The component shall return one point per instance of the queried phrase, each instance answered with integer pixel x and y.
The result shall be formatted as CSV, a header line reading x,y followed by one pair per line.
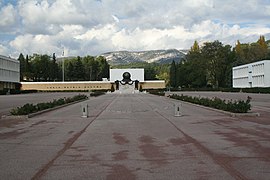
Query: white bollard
x,y
84,110
177,109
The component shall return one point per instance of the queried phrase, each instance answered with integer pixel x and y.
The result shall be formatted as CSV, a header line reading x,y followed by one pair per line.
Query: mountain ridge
x,y
157,56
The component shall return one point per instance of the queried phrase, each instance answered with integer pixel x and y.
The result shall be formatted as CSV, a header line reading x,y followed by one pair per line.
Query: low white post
x,y
177,109
84,110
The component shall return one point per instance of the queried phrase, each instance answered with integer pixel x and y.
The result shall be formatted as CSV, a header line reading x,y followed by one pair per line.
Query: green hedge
x,y
246,90
239,106
156,92
96,93
31,108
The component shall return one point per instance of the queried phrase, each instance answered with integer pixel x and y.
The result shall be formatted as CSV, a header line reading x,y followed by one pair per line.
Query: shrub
x,y
24,110
97,93
30,108
157,92
239,106
246,90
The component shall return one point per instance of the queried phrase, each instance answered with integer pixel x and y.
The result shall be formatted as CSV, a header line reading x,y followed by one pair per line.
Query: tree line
x,y
46,68
211,64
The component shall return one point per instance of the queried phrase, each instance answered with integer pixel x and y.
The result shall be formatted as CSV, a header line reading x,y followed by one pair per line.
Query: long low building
x,y
251,75
85,85
121,80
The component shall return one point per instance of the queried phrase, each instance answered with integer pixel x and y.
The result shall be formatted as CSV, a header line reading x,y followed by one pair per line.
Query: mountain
x,y
157,56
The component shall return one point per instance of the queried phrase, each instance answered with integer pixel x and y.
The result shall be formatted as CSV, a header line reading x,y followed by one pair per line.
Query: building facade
x,y
118,82
251,75
9,73
136,74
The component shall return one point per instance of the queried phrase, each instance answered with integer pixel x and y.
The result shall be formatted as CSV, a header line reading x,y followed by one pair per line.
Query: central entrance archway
x,y
126,84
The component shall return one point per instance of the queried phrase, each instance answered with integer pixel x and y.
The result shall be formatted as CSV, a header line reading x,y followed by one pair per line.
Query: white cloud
x,y
8,17
37,16
3,50
93,27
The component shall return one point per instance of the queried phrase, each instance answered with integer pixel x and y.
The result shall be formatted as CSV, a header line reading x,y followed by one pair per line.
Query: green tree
x,y
195,48
194,69
78,70
149,73
104,68
53,69
69,75
247,53
28,69
88,62
173,74
217,57
22,66
261,41
40,65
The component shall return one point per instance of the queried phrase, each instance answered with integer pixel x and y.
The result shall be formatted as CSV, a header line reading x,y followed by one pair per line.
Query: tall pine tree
x,y
173,74
22,66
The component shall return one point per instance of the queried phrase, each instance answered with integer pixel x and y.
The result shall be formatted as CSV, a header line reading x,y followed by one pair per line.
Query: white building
x,y
9,72
136,74
255,74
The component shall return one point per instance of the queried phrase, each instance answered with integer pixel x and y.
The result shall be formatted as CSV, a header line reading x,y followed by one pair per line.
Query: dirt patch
x,y
262,119
261,133
120,139
151,152
37,123
247,140
11,122
202,174
120,172
146,139
11,135
121,155
178,141
94,159
70,132
75,155
224,121
79,148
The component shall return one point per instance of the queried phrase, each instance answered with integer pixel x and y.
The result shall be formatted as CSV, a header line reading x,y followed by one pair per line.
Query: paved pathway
x,y
135,137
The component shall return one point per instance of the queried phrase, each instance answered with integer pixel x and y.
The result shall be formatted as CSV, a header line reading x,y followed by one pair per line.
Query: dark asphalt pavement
x,y
135,136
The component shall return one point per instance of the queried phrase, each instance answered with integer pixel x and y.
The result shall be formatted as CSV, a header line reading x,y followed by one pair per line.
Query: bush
x,y
30,108
246,90
156,92
97,93
24,110
239,106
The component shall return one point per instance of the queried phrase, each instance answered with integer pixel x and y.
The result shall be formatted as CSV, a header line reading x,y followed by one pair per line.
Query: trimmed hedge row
x,y
246,90
31,108
97,93
239,106
156,92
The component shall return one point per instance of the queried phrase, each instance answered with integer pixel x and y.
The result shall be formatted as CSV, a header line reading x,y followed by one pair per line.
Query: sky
x,y
93,27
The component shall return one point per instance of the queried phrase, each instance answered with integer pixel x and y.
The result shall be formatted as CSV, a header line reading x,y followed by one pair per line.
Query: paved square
x,y
135,136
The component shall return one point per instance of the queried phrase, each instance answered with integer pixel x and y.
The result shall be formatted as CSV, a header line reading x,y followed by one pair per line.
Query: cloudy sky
x,y
92,27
